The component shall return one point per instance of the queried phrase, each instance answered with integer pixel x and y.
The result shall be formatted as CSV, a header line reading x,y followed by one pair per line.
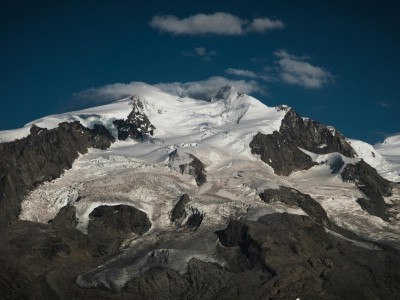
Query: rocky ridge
x,y
40,157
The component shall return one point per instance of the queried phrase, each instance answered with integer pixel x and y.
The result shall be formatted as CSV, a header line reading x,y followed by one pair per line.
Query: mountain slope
x,y
242,166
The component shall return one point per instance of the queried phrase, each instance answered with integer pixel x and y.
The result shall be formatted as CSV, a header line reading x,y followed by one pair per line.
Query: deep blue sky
x,y
50,50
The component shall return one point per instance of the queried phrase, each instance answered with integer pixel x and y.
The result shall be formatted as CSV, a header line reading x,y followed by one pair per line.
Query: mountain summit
x,y
157,196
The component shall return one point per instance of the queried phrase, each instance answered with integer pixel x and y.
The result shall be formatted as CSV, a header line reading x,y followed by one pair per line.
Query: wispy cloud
x,y
250,74
219,23
201,52
264,24
203,90
383,104
107,93
206,89
298,71
241,73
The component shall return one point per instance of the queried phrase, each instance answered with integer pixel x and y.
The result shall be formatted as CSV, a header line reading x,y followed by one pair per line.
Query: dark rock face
x,y
281,154
280,256
301,260
168,284
223,93
137,124
281,150
195,219
42,156
196,169
66,217
42,261
178,212
372,185
311,135
293,197
110,225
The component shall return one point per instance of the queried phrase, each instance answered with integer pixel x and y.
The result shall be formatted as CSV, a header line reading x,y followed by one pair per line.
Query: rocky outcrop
x,y
109,226
280,153
281,150
168,284
293,197
195,219
313,136
42,261
372,185
301,260
42,156
179,212
137,125
194,168
66,218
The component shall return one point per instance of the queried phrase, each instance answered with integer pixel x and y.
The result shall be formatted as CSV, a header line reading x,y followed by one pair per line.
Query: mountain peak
x,y
224,93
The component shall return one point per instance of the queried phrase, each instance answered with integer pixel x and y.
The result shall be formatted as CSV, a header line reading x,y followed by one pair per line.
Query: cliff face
x,y
313,136
136,125
42,156
294,197
281,150
280,153
373,186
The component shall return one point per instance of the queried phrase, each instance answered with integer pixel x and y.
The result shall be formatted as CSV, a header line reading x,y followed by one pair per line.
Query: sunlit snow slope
x,y
389,149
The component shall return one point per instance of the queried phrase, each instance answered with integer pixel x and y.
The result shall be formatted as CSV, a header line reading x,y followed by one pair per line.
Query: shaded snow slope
x,y
385,157
389,149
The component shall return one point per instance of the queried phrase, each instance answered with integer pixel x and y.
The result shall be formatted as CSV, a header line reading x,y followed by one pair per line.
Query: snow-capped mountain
x,y
181,198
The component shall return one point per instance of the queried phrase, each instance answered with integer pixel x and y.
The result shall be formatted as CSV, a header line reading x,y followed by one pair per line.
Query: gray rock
x,y
313,136
66,217
42,156
196,169
281,154
293,197
195,219
372,185
136,125
109,226
301,260
178,212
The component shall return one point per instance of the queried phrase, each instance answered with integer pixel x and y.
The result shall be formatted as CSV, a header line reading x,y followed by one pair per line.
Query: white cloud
x,y
264,76
264,24
201,52
219,23
298,71
204,90
241,73
108,93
